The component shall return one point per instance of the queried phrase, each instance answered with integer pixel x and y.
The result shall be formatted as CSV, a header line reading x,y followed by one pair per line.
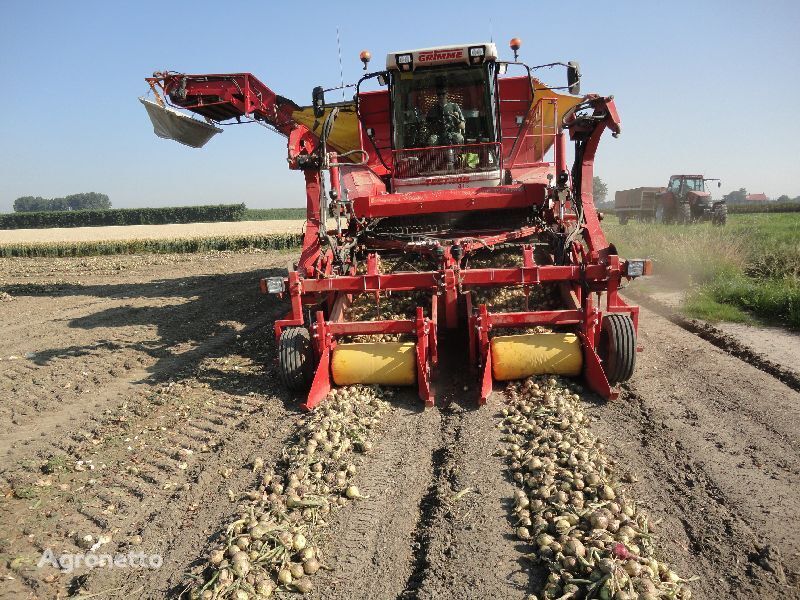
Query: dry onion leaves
x,y
592,540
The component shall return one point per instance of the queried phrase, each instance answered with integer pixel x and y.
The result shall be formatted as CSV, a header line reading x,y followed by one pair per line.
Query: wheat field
x,y
149,232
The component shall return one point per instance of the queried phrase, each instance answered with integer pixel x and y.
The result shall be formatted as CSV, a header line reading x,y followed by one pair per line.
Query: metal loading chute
x,y
171,124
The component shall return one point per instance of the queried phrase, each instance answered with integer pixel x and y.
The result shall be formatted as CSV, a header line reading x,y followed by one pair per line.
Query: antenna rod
x,y
341,71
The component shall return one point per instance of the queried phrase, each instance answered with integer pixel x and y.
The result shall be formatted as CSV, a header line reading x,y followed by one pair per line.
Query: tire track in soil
x,y
220,415
175,512
184,531
468,542
720,339
715,451
371,547
412,540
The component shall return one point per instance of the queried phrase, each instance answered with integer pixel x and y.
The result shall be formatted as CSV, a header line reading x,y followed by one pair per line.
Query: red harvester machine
x,y
448,165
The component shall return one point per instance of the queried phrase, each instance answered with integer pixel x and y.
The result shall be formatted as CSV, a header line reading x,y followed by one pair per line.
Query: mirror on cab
x,y
318,101
719,184
574,77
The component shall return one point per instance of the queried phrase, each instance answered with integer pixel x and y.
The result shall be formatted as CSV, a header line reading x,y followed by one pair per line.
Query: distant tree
x,y
88,201
599,190
30,204
83,201
783,198
57,204
736,197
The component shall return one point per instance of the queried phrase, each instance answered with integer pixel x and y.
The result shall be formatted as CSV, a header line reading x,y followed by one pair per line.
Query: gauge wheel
x,y
617,348
295,359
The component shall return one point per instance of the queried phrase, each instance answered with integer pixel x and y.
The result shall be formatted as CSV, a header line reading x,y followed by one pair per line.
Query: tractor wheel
x,y
720,215
617,348
295,361
684,213
665,216
623,219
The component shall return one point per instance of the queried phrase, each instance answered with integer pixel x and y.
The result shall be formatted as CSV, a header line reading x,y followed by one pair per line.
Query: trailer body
x,y
637,204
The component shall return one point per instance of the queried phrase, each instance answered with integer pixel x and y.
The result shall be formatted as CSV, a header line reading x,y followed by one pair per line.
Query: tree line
x,y
83,201
123,216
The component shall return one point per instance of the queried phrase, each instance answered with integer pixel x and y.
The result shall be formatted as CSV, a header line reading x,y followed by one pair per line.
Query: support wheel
x,y
720,215
295,361
617,347
623,219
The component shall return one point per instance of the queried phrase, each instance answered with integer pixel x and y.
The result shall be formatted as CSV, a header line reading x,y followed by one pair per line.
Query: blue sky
x,y
706,87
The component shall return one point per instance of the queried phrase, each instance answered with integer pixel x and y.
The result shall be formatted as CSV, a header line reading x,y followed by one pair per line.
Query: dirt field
x,y
148,232
136,392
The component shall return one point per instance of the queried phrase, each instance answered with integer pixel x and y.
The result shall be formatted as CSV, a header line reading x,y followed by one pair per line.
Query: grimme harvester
x,y
447,187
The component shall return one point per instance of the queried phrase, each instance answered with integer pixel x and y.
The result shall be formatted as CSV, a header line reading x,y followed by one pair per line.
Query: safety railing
x,y
534,137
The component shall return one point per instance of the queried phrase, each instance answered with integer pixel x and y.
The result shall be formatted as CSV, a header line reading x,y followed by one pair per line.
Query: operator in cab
x,y
446,123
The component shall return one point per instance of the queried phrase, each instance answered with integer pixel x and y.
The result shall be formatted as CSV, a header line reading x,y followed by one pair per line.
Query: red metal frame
x,y
594,272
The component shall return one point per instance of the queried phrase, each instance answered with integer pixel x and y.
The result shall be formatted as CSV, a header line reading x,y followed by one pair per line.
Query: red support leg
x,y
314,222
593,372
483,325
321,384
322,381
433,342
486,379
423,368
471,332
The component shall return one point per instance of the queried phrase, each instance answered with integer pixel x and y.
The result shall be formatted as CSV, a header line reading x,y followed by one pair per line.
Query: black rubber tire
x,y
720,216
617,347
295,360
623,219
684,213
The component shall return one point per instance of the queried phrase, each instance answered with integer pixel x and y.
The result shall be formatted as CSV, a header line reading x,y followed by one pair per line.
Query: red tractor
x,y
686,200
446,189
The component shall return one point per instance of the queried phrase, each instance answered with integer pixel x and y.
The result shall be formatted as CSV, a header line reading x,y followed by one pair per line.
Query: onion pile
x,y
511,299
592,541
274,542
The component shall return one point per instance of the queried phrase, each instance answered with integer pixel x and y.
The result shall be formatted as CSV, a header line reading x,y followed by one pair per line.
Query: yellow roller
x,y
519,356
388,363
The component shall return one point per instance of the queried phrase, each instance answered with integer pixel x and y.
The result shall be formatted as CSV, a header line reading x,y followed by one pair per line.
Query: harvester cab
x,y
441,204
444,121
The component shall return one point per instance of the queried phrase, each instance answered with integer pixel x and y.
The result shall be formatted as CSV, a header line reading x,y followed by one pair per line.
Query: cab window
x,y
415,98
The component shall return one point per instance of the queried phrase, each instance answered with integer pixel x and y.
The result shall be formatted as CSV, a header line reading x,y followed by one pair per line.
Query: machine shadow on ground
x,y
195,318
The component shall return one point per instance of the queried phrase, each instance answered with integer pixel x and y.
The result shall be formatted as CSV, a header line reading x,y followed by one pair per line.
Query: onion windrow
x,y
593,541
274,542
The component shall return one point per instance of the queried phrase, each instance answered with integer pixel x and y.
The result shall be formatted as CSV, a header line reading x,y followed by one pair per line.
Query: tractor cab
x,y
444,121
681,185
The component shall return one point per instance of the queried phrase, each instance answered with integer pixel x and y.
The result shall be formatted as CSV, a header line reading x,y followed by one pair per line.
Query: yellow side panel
x,y
344,135
387,363
520,356
544,124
